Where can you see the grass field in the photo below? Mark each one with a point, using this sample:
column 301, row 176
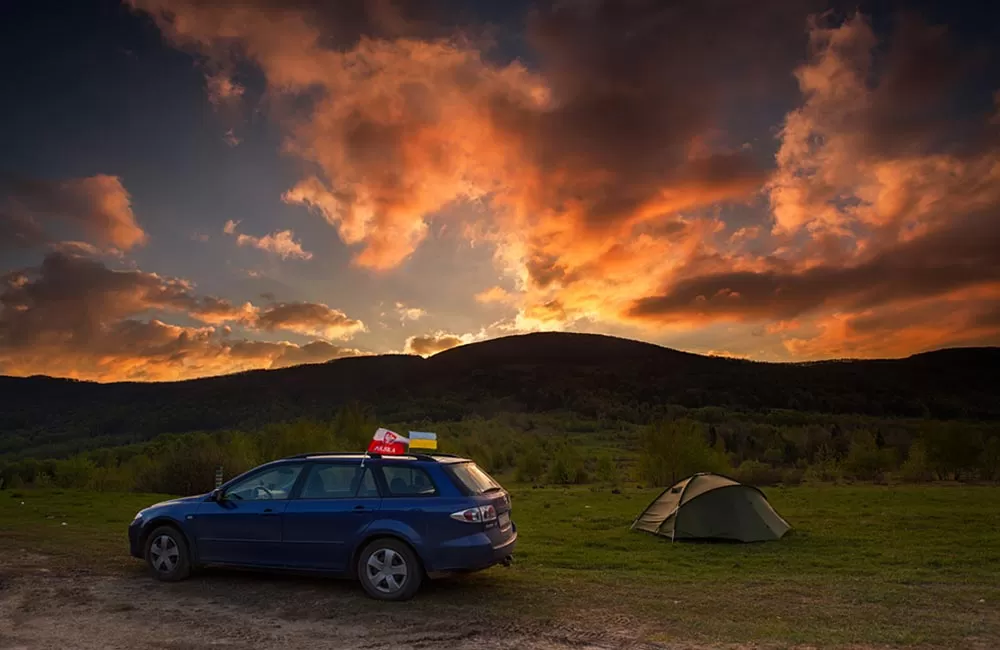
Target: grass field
column 898, row 566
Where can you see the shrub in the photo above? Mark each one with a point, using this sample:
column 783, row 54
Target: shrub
column 674, row 449
column 865, row 461
column 608, row 471
column 757, row 473
column 530, row 466
column 567, row 468
column 76, row 472
column 990, row 460
column 792, row 476
column 916, row 469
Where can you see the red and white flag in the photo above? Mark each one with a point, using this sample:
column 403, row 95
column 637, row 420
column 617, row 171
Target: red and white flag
column 388, row 443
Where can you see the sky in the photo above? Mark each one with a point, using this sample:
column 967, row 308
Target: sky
column 193, row 188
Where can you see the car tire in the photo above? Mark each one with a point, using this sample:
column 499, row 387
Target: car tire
column 389, row 570
column 167, row 554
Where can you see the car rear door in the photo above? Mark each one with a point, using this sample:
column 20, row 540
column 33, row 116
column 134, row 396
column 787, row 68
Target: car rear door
column 321, row 526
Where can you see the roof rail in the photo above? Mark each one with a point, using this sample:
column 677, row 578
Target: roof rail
column 331, row 453
column 411, row 454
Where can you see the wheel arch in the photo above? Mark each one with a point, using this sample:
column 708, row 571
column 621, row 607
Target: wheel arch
column 158, row 522
column 382, row 534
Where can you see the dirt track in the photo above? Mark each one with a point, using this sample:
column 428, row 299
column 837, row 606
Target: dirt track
column 42, row 607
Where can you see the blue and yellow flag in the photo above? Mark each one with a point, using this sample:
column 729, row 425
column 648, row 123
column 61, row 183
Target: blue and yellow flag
column 423, row 440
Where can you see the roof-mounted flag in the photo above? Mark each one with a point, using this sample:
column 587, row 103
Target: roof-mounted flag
column 388, row 443
column 423, row 440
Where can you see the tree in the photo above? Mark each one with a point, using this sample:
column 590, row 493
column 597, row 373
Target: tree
column 990, row 462
column 354, row 426
column 953, row 449
column 608, row 471
column 916, row 467
column 865, row 460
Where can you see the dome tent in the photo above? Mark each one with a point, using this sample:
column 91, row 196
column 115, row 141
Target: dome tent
column 710, row 506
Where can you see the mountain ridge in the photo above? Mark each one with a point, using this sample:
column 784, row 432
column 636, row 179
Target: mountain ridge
column 451, row 352
column 594, row 376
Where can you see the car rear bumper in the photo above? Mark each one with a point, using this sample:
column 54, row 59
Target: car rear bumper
column 473, row 553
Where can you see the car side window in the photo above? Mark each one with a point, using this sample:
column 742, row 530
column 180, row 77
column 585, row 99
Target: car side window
column 404, row 481
column 271, row 484
column 338, row 482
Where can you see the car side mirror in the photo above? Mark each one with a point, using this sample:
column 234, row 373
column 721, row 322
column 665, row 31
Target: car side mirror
column 216, row 495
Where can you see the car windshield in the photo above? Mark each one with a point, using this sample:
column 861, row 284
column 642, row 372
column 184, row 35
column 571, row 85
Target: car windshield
column 475, row 480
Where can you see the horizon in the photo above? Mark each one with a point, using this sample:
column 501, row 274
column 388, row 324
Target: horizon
column 507, row 336
column 192, row 191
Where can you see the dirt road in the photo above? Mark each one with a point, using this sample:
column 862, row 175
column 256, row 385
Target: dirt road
column 44, row 607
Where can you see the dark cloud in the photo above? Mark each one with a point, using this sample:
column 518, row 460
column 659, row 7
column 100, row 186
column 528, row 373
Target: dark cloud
column 637, row 87
column 964, row 255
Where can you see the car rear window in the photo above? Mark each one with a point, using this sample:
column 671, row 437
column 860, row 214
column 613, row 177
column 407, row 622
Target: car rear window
column 473, row 478
column 406, row 481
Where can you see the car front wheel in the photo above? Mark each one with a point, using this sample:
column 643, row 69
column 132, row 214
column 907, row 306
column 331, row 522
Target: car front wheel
column 389, row 570
column 167, row 554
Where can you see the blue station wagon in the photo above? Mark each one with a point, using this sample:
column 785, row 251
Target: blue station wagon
column 389, row 521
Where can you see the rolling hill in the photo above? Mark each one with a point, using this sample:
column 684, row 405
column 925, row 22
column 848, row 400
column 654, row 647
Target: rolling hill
column 592, row 375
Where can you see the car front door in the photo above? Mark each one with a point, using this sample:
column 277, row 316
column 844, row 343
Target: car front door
column 321, row 526
column 244, row 525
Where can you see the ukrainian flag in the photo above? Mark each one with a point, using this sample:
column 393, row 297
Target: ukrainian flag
column 423, row 440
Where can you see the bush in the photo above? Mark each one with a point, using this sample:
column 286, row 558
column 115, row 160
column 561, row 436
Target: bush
column 672, row 450
column 530, row 466
column 76, row 472
column 865, row 461
column 608, row 471
column 916, row 468
column 753, row 472
column 792, row 476
column 567, row 468
column 990, row 461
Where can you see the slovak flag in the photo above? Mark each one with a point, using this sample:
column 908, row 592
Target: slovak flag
column 388, row 443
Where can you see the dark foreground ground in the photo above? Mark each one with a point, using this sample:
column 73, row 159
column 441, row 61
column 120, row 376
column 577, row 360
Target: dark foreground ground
column 41, row 608
column 865, row 567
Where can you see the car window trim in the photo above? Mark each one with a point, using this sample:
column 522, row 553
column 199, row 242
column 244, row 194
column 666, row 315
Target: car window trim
column 311, row 467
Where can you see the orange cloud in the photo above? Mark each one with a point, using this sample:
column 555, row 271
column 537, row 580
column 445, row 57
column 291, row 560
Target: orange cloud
column 573, row 158
column 280, row 243
column 493, row 295
column 891, row 219
column 308, row 318
column 409, row 313
column 429, row 344
column 75, row 317
column 603, row 169
column 965, row 318
column 99, row 206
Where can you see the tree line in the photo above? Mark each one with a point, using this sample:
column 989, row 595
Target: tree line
column 561, row 448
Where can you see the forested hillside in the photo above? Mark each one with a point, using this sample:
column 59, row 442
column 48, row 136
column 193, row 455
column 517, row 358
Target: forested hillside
column 591, row 376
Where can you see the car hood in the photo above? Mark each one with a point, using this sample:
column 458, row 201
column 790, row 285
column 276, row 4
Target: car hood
column 170, row 502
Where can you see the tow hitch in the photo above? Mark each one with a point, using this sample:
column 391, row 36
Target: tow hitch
column 507, row 561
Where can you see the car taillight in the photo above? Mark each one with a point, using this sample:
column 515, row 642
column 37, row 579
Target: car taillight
column 476, row 515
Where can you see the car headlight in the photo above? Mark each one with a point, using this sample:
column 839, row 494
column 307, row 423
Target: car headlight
column 138, row 515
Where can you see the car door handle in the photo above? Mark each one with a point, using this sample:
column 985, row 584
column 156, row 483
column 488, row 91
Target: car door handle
column 269, row 513
column 361, row 508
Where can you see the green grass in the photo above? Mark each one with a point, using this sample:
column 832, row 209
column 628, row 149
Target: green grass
column 902, row 566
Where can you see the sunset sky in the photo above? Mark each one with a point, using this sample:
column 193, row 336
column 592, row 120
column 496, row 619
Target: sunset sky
column 190, row 188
